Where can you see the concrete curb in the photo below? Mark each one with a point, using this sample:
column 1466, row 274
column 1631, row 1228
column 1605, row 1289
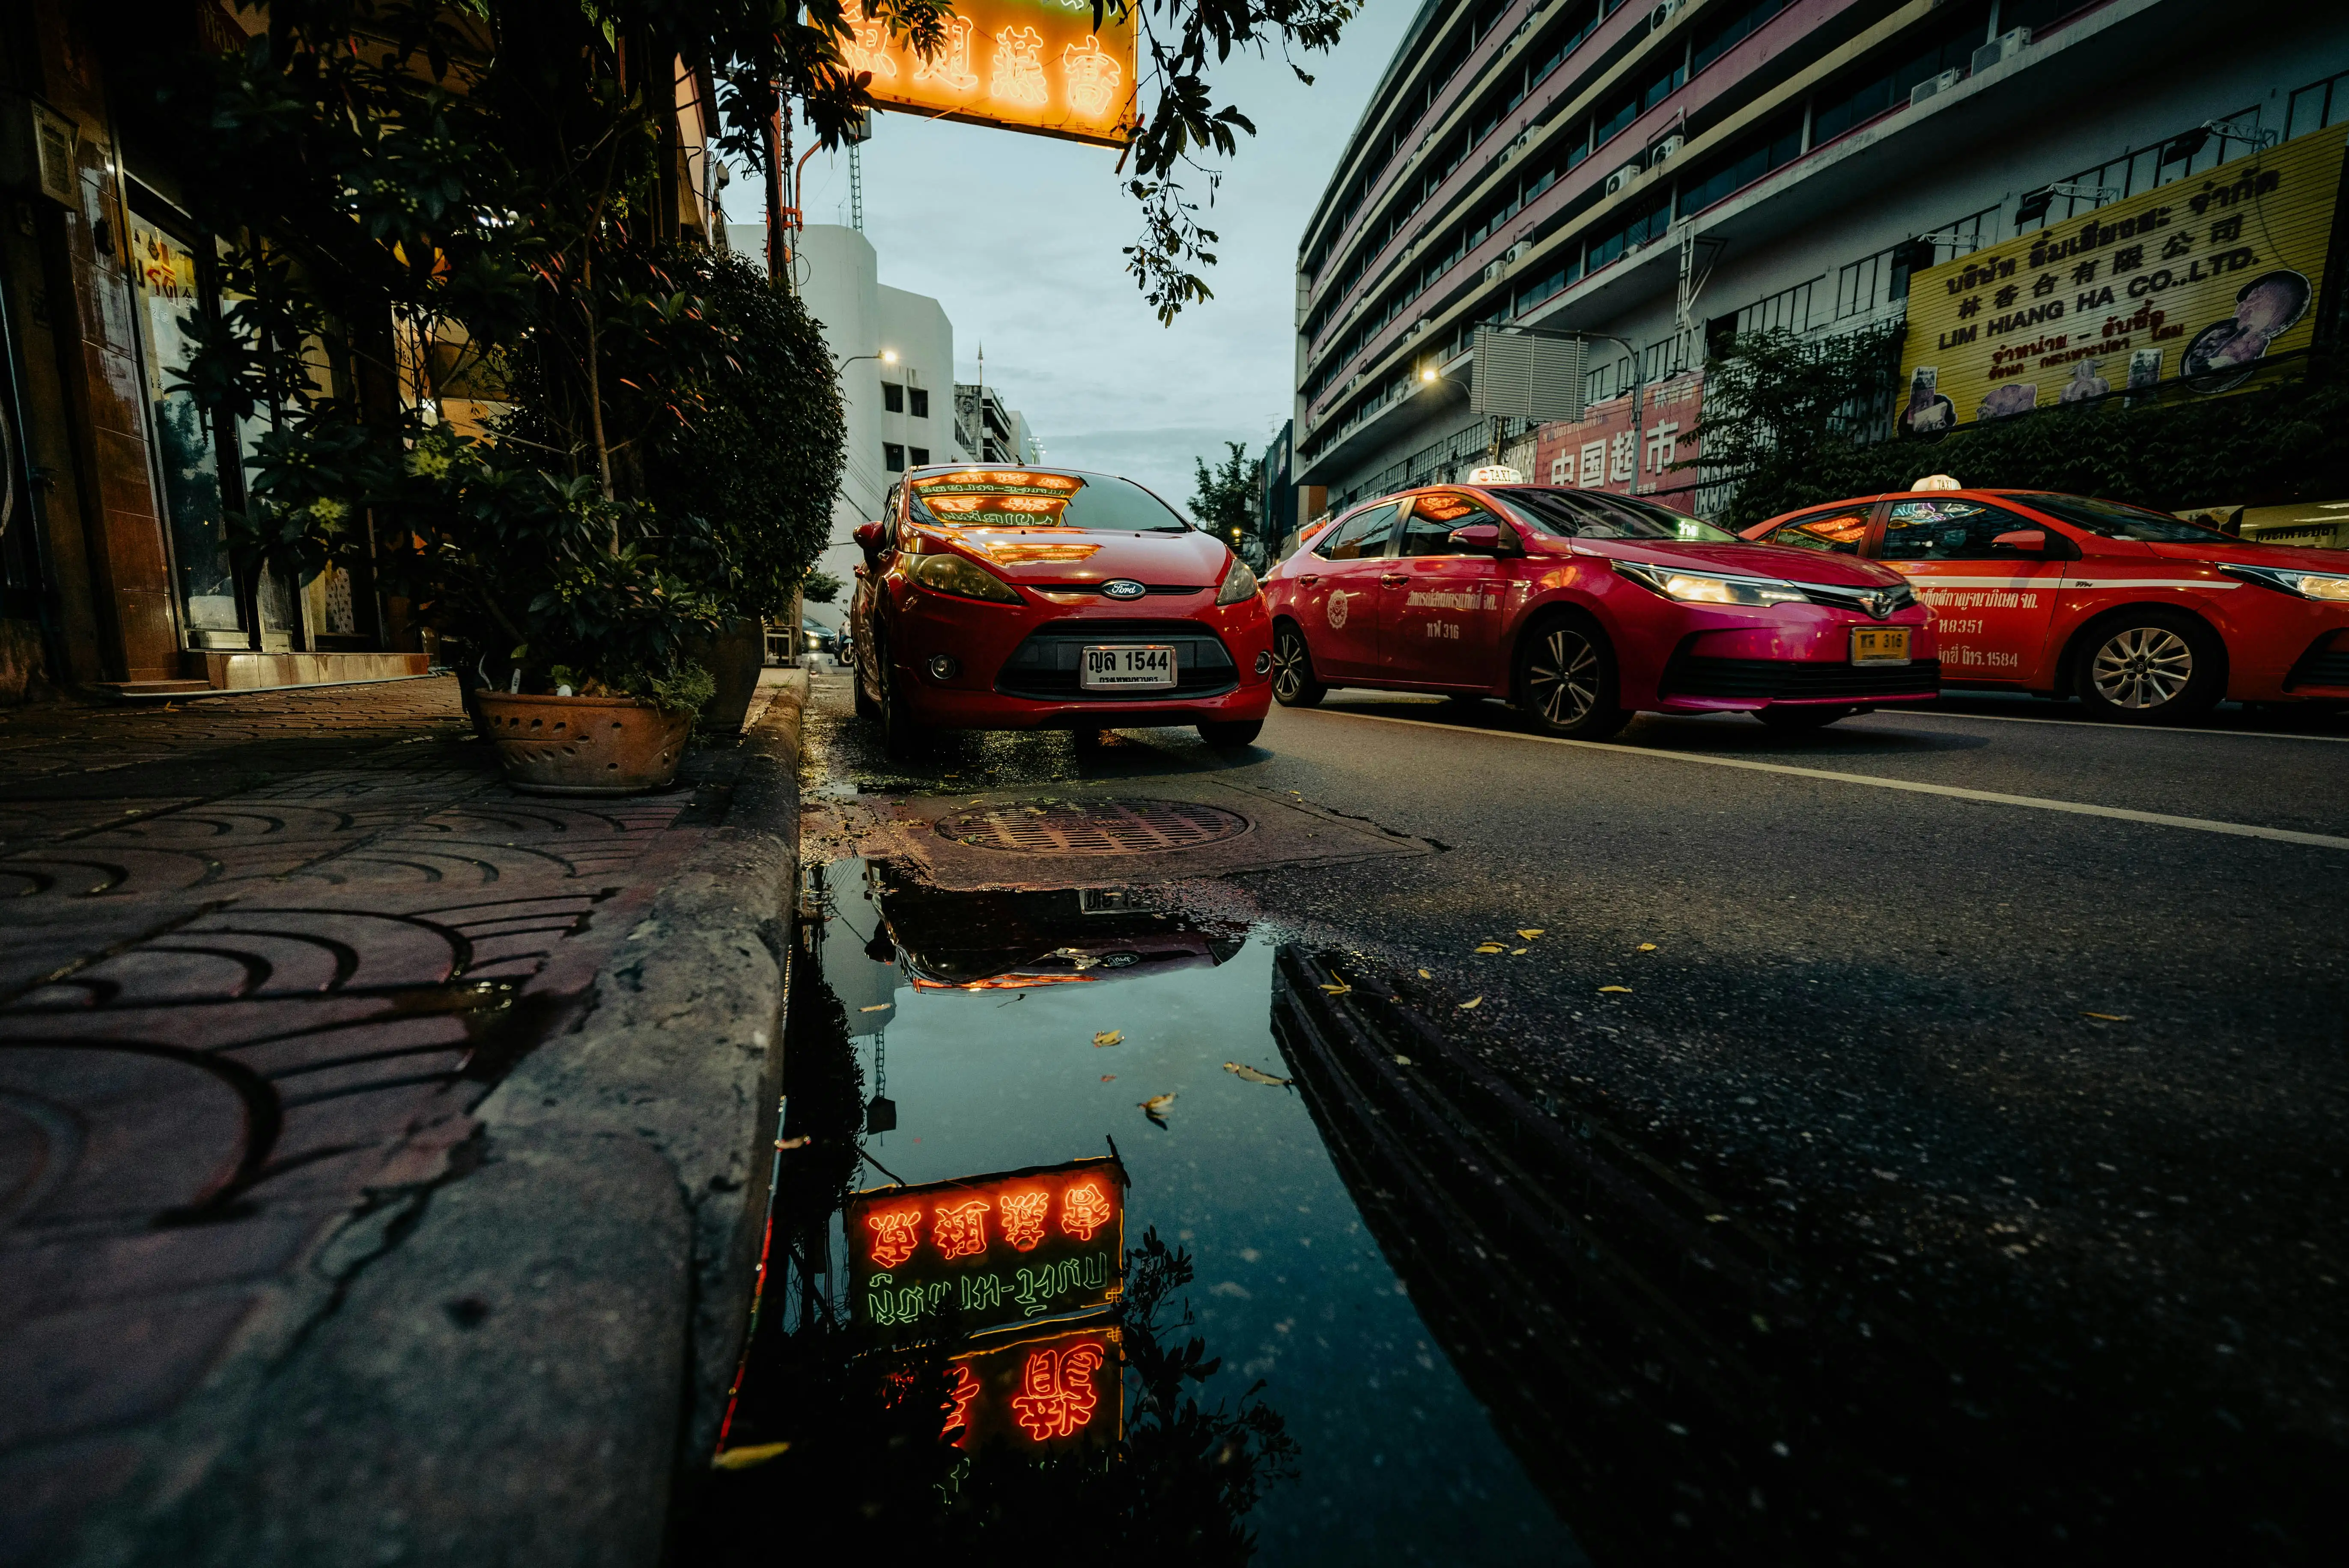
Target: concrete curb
column 505, row 1357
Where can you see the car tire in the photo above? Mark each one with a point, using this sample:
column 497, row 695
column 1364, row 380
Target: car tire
column 1230, row 734
column 1566, row 680
column 866, row 708
column 904, row 738
column 1293, row 685
column 2151, row 667
column 1801, row 718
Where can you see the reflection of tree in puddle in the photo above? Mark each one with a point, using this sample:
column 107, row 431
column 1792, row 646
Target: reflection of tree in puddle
column 852, row 1445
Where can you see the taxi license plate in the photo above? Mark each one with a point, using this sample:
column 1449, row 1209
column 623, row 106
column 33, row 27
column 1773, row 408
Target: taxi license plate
column 1127, row 667
column 1879, row 645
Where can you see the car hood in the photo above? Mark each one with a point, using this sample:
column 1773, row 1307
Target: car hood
column 1080, row 558
column 2290, row 557
column 1747, row 560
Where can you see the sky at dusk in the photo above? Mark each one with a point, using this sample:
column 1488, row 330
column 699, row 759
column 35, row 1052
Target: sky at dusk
column 1019, row 237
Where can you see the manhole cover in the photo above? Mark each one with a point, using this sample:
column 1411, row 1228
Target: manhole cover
column 1099, row 827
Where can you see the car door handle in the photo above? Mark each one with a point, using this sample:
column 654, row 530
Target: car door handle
column 1395, row 581
column 1311, row 577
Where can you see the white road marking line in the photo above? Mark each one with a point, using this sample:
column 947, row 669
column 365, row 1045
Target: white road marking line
column 2076, row 808
column 2107, row 727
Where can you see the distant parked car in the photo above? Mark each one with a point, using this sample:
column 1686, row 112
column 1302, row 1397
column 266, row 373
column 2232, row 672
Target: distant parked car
column 2145, row 617
column 1052, row 598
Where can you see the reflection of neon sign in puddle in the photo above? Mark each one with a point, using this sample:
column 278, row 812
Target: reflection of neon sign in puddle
column 1060, row 1390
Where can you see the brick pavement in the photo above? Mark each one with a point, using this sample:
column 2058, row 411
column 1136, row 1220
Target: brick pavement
column 259, row 957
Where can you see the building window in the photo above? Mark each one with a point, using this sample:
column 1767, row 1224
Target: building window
column 921, row 405
column 921, row 457
column 892, row 397
column 893, row 457
column 2317, row 106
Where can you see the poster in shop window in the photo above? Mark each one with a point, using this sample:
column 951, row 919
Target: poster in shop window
column 2198, row 282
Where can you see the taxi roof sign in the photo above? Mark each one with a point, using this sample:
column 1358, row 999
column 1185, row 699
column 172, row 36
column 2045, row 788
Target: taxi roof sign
column 1494, row 474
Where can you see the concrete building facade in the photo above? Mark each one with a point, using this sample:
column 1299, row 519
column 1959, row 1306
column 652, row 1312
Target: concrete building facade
column 1675, row 173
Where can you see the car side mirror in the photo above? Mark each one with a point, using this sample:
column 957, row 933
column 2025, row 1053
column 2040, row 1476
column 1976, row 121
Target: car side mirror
column 2026, row 541
column 869, row 535
column 1477, row 538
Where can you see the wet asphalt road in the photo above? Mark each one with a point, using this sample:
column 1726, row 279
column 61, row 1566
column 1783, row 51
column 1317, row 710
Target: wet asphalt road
column 2065, row 1093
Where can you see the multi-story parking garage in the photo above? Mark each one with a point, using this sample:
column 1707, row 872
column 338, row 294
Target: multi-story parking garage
column 1675, row 173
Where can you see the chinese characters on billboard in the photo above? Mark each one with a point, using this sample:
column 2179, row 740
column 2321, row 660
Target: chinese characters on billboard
column 2200, row 280
column 986, row 1253
column 1061, row 1391
column 1025, row 65
column 1602, row 452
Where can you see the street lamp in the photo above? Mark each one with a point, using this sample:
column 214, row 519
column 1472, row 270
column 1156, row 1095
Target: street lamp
column 886, row 356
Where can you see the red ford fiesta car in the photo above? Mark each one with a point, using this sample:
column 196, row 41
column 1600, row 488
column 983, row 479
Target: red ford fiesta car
column 1584, row 607
column 2147, row 618
column 1042, row 599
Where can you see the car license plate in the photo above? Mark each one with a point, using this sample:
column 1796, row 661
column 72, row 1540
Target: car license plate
column 1879, row 645
column 1127, row 667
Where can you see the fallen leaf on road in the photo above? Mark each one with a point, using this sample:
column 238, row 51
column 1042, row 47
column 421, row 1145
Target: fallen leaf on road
column 1488, row 947
column 877, row 1007
column 1519, row 951
column 1108, row 1078
column 1340, row 989
column 1110, row 1038
column 1537, row 931
column 794, row 1142
column 1154, row 1107
column 1402, row 1061
column 1471, row 1001
column 1425, row 975
column 1647, row 947
column 1626, row 990
column 1246, row 1074
column 744, row 1457
column 2108, row 1017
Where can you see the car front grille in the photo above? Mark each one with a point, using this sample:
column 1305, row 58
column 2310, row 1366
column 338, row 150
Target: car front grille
column 1798, row 680
column 2321, row 667
column 1152, row 588
column 1882, row 603
column 1045, row 667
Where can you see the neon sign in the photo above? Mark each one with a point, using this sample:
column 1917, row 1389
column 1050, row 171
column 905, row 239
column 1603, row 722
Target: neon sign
column 1037, row 65
column 1059, row 1391
column 987, row 1253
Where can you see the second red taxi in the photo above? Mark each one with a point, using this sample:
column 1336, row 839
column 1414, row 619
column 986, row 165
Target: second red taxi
column 1583, row 607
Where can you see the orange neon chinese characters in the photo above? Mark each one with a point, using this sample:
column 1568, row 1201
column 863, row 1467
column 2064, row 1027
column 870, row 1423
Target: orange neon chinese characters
column 1084, row 1210
column 892, row 1236
column 1020, row 68
column 1056, row 1396
column 950, row 66
column 961, row 1232
column 964, row 1390
column 1023, row 1217
column 1092, row 76
column 871, row 52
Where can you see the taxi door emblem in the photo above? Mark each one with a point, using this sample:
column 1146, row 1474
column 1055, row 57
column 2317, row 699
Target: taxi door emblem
column 1122, row 588
column 1336, row 610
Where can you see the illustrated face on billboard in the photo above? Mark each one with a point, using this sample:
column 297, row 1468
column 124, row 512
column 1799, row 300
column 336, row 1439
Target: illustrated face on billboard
column 1025, row 65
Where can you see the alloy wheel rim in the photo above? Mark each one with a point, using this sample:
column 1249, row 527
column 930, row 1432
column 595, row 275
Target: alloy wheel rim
column 2142, row 668
column 1288, row 666
column 1564, row 678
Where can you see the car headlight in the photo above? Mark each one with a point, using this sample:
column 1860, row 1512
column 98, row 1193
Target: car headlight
column 1239, row 583
column 1709, row 587
column 2333, row 587
column 959, row 575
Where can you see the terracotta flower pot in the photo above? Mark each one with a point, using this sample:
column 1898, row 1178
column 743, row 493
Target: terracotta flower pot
column 582, row 745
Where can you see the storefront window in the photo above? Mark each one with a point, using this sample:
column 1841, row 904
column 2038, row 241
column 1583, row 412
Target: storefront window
column 185, row 447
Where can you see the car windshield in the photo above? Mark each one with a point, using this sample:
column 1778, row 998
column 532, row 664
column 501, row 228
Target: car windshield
column 2119, row 519
column 1036, row 497
column 1596, row 514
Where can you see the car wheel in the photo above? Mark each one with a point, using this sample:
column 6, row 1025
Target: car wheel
column 1232, row 734
column 1801, row 717
column 866, row 708
column 1566, row 681
column 2152, row 666
column 903, row 737
column 1293, row 685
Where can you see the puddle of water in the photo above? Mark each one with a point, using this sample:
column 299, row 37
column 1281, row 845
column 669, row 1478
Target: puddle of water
column 975, row 1017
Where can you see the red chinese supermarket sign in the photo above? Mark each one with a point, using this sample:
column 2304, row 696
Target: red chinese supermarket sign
column 1058, row 1391
column 983, row 1252
column 1601, row 451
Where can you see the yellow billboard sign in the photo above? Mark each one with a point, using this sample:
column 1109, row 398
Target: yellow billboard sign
column 1025, row 65
column 2197, row 281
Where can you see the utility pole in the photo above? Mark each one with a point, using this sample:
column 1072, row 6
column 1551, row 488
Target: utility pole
column 855, row 188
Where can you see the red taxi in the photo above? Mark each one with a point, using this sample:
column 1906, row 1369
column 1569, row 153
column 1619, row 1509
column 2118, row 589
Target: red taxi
column 1039, row 599
column 1583, row 607
column 2147, row 618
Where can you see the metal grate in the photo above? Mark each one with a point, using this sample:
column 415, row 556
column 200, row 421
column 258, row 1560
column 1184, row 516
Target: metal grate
column 1099, row 827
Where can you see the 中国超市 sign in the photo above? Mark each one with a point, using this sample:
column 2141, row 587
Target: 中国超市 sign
column 1025, row 65
column 981, row 1253
column 2198, row 280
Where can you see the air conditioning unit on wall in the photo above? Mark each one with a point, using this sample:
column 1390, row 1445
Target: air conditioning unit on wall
column 1665, row 149
column 1663, row 14
column 2005, row 45
column 1932, row 85
column 1623, row 177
